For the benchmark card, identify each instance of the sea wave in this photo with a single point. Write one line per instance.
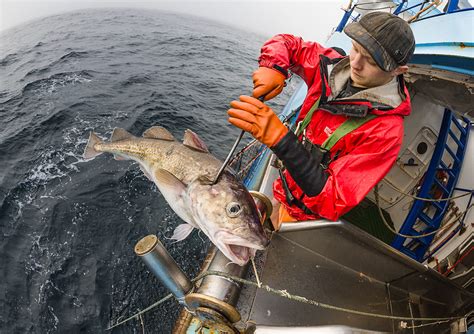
(57, 81)
(9, 59)
(67, 58)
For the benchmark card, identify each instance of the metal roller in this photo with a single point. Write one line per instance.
(162, 265)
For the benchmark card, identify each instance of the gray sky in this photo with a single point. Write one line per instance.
(311, 19)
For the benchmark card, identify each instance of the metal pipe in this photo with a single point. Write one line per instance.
(345, 18)
(452, 6)
(162, 265)
(229, 156)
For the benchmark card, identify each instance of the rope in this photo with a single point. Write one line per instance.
(376, 193)
(152, 306)
(435, 3)
(305, 300)
(143, 324)
(403, 324)
(256, 273)
(468, 192)
(285, 294)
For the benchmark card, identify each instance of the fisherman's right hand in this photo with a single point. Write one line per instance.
(267, 82)
(255, 117)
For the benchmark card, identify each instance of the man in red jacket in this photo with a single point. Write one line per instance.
(350, 127)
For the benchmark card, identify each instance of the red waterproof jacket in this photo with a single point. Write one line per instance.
(365, 155)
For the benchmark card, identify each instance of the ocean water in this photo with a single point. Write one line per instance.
(68, 227)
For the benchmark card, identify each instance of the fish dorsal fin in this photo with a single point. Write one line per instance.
(158, 132)
(193, 141)
(120, 134)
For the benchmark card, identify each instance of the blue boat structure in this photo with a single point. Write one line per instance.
(400, 262)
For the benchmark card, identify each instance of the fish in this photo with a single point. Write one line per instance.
(182, 171)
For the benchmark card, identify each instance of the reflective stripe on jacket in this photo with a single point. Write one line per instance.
(365, 155)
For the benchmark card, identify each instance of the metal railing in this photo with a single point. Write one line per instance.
(426, 8)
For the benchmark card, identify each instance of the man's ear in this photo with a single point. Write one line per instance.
(400, 70)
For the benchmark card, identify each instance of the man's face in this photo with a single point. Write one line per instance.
(365, 72)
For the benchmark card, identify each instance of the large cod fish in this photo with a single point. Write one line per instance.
(225, 211)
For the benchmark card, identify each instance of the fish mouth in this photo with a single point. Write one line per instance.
(237, 249)
(240, 254)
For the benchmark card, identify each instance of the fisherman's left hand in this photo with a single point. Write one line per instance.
(253, 116)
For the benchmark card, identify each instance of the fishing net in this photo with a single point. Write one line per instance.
(246, 160)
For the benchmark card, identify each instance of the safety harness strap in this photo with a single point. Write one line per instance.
(349, 125)
(304, 123)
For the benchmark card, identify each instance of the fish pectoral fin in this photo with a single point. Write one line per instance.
(158, 132)
(120, 134)
(146, 173)
(90, 152)
(182, 232)
(120, 157)
(193, 141)
(174, 191)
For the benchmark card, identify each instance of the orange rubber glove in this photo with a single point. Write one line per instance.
(267, 82)
(253, 116)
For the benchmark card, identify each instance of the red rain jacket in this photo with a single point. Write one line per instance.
(365, 155)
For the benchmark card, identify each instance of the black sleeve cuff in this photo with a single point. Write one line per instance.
(304, 167)
(281, 70)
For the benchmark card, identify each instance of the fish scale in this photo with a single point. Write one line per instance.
(152, 154)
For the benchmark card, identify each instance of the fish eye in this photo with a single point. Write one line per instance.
(233, 209)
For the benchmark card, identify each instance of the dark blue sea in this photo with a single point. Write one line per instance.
(68, 227)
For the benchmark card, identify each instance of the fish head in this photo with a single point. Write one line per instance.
(227, 214)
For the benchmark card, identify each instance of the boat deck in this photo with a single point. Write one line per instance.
(340, 265)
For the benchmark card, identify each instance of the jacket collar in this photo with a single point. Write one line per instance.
(388, 94)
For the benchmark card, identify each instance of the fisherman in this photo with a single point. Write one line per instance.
(350, 126)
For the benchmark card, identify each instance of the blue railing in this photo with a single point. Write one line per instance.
(402, 7)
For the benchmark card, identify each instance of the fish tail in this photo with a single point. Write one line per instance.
(90, 152)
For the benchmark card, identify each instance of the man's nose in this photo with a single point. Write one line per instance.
(356, 62)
